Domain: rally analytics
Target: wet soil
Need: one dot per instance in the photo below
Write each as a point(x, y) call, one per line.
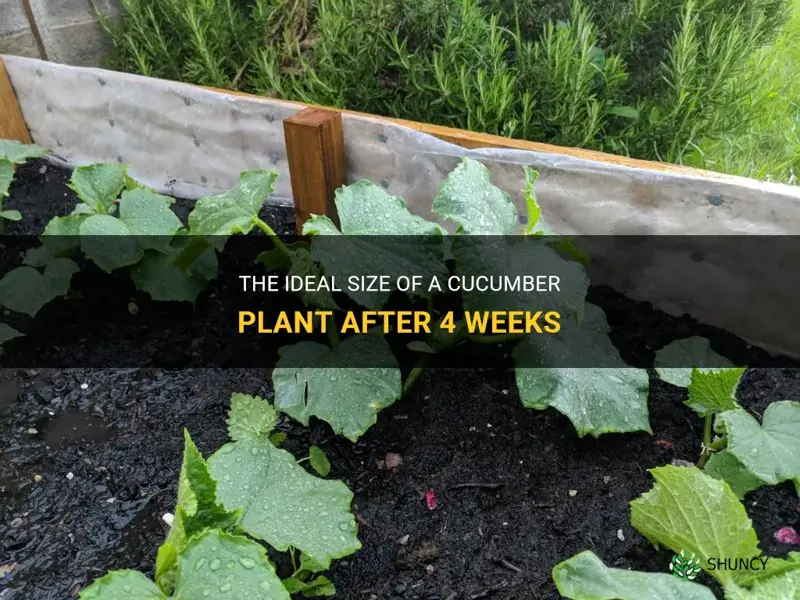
point(89, 461)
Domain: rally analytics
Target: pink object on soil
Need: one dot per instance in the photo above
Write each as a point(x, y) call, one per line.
point(430, 499)
point(787, 535)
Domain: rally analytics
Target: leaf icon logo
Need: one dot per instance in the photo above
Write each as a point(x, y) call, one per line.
point(685, 566)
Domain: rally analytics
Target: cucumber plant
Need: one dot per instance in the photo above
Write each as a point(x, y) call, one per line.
point(247, 497)
point(13, 153)
point(687, 511)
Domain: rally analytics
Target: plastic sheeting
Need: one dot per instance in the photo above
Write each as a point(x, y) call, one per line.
point(191, 142)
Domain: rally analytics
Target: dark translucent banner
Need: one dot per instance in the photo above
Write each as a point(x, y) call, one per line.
point(367, 302)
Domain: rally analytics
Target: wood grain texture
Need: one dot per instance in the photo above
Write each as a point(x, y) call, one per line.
point(12, 124)
point(317, 161)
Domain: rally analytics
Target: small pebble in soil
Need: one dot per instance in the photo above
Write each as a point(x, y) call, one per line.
point(606, 479)
point(573, 493)
point(620, 535)
point(84, 386)
point(404, 540)
point(16, 523)
point(70, 476)
point(400, 589)
point(33, 431)
point(133, 309)
point(37, 478)
point(430, 569)
point(168, 518)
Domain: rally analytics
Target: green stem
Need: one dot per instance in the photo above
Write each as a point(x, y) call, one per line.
point(333, 333)
point(707, 450)
point(273, 236)
point(494, 339)
point(415, 373)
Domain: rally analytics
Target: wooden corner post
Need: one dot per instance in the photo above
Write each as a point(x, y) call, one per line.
point(12, 124)
point(317, 162)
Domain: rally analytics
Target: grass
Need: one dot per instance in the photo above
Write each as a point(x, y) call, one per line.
point(770, 148)
point(685, 81)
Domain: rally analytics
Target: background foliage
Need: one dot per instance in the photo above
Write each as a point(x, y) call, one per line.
point(697, 81)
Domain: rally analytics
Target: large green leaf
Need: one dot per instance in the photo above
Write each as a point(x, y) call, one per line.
point(17, 152)
point(693, 351)
point(774, 567)
point(26, 290)
point(585, 577)
point(691, 511)
point(11, 215)
point(6, 177)
point(99, 185)
point(303, 265)
point(283, 504)
point(310, 379)
point(158, 275)
point(123, 585)
point(148, 215)
point(712, 391)
point(725, 466)
point(469, 199)
point(607, 398)
point(109, 242)
point(782, 587)
point(379, 236)
point(62, 235)
point(213, 565)
point(770, 451)
point(8, 333)
point(236, 210)
point(250, 417)
point(218, 565)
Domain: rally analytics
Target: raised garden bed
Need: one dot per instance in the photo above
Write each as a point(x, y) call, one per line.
point(91, 460)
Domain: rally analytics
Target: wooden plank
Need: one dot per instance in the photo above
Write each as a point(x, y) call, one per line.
point(472, 139)
point(317, 162)
point(12, 124)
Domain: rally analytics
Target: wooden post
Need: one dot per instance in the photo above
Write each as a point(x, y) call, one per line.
point(12, 125)
point(317, 162)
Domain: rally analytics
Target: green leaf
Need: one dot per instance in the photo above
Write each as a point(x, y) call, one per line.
point(158, 275)
point(694, 351)
point(122, 585)
point(518, 256)
point(11, 215)
point(691, 511)
point(6, 177)
point(283, 504)
point(469, 199)
point(536, 223)
point(62, 234)
point(319, 462)
point(17, 152)
point(320, 586)
point(784, 587)
point(99, 185)
point(236, 210)
point(278, 438)
point(109, 242)
point(148, 215)
point(774, 567)
point(8, 333)
point(585, 577)
point(713, 391)
point(725, 466)
point(770, 451)
point(302, 265)
point(379, 236)
point(420, 346)
point(598, 400)
point(197, 509)
point(627, 112)
point(250, 417)
point(310, 379)
point(26, 290)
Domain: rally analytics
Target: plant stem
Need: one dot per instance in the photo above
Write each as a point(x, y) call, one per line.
point(272, 235)
point(415, 373)
point(333, 333)
point(707, 450)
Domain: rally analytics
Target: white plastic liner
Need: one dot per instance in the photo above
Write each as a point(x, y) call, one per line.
point(191, 142)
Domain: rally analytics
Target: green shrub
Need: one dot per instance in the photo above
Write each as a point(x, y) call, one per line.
point(652, 79)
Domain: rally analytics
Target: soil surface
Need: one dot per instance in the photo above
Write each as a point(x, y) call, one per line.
point(89, 461)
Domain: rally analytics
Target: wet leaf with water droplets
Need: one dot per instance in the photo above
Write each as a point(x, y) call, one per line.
point(283, 504)
point(313, 380)
point(250, 417)
point(585, 577)
point(99, 185)
point(26, 290)
point(607, 398)
point(122, 585)
point(693, 352)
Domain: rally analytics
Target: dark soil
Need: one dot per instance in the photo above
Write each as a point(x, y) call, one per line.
point(119, 433)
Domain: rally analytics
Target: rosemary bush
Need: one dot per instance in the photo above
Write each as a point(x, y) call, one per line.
point(653, 79)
